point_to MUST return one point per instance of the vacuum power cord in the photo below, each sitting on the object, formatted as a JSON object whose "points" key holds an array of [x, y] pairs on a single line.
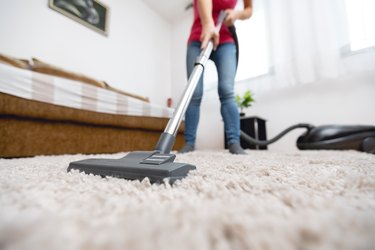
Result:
{"points": [[254, 141]]}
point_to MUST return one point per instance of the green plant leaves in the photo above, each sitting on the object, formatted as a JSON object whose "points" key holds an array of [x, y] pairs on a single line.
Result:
{"points": [[244, 101]]}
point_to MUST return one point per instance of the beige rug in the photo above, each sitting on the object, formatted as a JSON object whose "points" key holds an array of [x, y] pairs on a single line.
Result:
{"points": [[264, 200]]}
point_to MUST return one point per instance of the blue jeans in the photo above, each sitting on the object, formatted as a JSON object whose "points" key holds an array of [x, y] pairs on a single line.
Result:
{"points": [[224, 58]]}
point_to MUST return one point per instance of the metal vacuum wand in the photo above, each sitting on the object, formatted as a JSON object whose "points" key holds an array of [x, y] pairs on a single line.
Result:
{"points": [[168, 137]]}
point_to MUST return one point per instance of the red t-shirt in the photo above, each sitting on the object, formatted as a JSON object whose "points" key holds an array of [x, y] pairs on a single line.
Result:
{"points": [[217, 6]]}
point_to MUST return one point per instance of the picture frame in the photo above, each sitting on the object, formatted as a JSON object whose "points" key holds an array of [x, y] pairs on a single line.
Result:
{"points": [[91, 13]]}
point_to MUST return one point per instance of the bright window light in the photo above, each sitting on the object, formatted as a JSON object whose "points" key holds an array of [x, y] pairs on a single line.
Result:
{"points": [[361, 23], [253, 56]]}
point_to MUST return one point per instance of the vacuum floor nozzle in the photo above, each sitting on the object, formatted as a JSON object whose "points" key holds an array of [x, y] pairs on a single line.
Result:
{"points": [[136, 165]]}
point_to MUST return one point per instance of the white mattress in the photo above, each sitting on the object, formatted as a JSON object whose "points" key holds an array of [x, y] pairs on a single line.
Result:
{"points": [[73, 94]]}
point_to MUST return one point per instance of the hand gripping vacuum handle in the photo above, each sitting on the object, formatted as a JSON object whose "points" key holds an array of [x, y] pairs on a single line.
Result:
{"points": [[167, 138]]}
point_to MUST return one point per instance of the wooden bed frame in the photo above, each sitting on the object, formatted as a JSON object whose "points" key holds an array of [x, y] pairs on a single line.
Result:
{"points": [[29, 128]]}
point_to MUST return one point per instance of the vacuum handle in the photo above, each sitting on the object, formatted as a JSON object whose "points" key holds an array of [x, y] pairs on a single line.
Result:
{"points": [[166, 140], [206, 52]]}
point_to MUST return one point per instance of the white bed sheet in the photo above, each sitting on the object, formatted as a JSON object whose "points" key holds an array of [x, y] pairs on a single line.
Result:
{"points": [[73, 94]]}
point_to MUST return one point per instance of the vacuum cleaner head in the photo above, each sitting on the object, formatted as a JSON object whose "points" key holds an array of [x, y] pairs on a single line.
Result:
{"points": [[355, 137], [136, 165]]}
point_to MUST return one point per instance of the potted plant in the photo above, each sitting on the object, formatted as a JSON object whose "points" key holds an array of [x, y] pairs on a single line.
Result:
{"points": [[244, 101]]}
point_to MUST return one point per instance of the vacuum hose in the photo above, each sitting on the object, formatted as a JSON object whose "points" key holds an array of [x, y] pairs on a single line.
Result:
{"points": [[253, 141]]}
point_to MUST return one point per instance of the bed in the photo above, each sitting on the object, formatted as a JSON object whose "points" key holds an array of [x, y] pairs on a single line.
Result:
{"points": [[46, 110]]}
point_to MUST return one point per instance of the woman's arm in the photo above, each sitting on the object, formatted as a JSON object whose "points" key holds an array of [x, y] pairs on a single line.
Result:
{"points": [[233, 15], [208, 25]]}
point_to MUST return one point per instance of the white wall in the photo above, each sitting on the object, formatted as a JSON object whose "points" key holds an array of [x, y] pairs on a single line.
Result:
{"points": [[349, 99], [179, 37], [134, 57]]}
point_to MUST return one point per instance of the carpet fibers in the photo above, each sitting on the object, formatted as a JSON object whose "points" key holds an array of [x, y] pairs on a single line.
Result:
{"points": [[263, 200]]}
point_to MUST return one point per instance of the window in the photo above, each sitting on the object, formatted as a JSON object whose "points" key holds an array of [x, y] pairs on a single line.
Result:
{"points": [[253, 43], [361, 23]]}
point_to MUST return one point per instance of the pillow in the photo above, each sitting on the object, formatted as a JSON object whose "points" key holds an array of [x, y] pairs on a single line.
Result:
{"points": [[142, 98], [19, 63], [49, 69]]}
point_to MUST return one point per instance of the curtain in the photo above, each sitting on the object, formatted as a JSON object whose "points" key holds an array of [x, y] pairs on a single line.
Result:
{"points": [[308, 41]]}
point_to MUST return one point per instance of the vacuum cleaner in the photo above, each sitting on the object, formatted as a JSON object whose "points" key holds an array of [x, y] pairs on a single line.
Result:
{"points": [[327, 137], [157, 165]]}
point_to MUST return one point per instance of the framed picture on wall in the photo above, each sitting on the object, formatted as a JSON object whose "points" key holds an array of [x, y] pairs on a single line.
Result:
{"points": [[90, 13]]}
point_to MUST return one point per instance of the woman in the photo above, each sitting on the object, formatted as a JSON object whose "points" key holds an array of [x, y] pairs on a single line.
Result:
{"points": [[203, 30]]}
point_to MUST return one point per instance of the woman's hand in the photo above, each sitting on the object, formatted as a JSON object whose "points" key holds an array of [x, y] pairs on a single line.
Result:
{"points": [[209, 33], [232, 16]]}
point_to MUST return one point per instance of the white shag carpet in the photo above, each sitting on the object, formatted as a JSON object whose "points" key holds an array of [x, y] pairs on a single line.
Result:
{"points": [[264, 200]]}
